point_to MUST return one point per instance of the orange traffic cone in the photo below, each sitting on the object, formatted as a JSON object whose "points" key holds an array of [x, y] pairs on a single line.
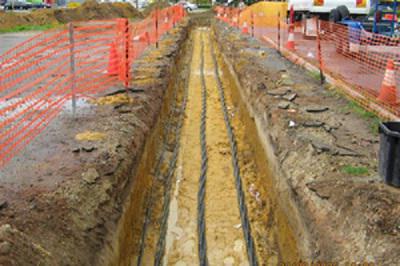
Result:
{"points": [[144, 37], [166, 23], [388, 91], [225, 19], [290, 42], [245, 28], [113, 61], [235, 22]]}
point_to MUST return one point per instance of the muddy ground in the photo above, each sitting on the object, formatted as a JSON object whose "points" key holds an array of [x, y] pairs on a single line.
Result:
{"points": [[61, 200], [89, 10], [323, 150]]}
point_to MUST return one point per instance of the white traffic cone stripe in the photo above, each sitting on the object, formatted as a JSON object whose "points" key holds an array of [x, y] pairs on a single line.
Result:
{"points": [[390, 78]]}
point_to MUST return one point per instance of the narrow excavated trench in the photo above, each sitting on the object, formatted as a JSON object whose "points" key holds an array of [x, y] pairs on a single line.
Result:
{"points": [[204, 192]]}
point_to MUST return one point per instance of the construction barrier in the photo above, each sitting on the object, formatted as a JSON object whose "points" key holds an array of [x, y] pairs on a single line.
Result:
{"points": [[363, 62], [39, 76]]}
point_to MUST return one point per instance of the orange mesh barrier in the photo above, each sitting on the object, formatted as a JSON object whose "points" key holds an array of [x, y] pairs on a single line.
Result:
{"points": [[366, 63], [39, 76]]}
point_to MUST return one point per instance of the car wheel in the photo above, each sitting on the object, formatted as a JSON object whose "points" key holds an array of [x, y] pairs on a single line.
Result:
{"points": [[188, 9], [334, 15], [343, 11]]}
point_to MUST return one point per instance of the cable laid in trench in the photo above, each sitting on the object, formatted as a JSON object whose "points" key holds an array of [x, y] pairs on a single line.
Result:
{"points": [[251, 252], [201, 226], [157, 170], [160, 249]]}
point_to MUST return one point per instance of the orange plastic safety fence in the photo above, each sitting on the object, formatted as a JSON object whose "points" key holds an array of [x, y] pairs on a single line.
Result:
{"points": [[366, 62], [39, 76]]}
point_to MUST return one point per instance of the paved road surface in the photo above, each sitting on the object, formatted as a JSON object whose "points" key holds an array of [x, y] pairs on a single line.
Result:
{"points": [[9, 40]]}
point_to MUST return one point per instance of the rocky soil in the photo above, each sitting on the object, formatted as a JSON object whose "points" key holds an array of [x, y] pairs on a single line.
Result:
{"points": [[323, 150]]}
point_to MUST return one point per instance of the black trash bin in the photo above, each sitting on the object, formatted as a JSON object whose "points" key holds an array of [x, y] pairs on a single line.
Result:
{"points": [[389, 153]]}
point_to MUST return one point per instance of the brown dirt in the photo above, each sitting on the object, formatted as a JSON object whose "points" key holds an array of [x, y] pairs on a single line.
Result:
{"points": [[155, 5], [274, 240], [337, 216], [62, 200], [90, 10]]}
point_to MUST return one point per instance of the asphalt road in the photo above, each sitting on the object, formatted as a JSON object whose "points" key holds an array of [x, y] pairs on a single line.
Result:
{"points": [[9, 40]]}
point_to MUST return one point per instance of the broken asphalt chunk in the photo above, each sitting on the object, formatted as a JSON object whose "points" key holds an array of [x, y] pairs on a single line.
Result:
{"points": [[290, 97], [317, 109], [278, 92], [313, 124], [283, 105]]}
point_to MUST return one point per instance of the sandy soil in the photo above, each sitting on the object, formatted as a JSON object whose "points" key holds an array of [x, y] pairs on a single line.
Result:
{"points": [[182, 229], [313, 136], [224, 235]]}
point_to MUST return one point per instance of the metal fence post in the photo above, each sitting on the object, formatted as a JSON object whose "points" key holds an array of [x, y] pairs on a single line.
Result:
{"points": [[173, 17], [279, 33], [238, 21], [72, 65], [156, 24], [321, 73], [127, 53], [252, 24]]}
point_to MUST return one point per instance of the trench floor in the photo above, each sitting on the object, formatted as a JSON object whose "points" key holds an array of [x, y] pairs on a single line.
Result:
{"points": [[224, 234]]}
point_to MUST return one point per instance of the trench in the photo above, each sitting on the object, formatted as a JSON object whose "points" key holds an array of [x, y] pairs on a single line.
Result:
{"points": [[160, 224]]}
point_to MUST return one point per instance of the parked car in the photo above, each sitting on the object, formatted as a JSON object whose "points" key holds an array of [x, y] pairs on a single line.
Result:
{"points": [[189, 6], [17, 4]]}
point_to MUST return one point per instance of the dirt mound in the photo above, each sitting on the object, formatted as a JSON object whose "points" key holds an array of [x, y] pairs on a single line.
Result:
{"points": [[87, 11], [155, 5]]}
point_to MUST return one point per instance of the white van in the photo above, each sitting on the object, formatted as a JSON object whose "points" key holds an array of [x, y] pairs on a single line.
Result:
{"points": [[325, 7]]}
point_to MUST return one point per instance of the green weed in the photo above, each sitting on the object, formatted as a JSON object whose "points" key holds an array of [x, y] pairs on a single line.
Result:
{"points": [[354, 170], [29, 28], [314, 74]]}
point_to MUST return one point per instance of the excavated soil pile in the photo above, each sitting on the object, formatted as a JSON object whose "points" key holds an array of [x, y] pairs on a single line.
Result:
{"points": [[155, 5], [324, 155], [87, 11]]}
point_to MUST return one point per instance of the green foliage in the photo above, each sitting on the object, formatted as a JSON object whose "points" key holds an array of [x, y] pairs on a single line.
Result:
{"points": [[355, 170], [315, 75], [29, 28]]}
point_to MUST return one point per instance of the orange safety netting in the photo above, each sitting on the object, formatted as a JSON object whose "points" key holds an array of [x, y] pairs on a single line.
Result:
{"points": [[359, 59], [40, 75]]}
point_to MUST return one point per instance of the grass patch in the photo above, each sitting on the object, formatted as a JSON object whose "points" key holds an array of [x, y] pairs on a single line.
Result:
{"points": [[314, 74], [355, 170], [372, 118], [29, 28]]}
